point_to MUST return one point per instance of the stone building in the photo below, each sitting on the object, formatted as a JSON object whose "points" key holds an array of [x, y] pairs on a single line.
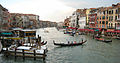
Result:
{"points": [[78, 19], [4, 18], [24, 20]]}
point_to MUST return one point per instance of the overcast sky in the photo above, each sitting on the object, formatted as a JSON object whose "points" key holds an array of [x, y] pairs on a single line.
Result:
{"points": [[52, 10]]}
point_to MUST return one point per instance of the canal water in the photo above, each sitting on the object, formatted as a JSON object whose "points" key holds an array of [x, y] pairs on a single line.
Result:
{"points": [[91, 52]]}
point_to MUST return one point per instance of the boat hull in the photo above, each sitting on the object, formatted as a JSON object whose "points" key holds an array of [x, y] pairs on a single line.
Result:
{"points": [[71, 44]]}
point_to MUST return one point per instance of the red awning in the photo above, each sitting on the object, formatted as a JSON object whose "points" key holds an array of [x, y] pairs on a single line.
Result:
{"points": [[87, 29], [118, 31], [71, 28], [110, 31]]}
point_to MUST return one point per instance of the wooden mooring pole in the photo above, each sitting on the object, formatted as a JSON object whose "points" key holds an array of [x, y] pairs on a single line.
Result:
{"points": [[44, 55], [39, 41], [6, 53], [15, 55], [34, 55], [23, 54]]}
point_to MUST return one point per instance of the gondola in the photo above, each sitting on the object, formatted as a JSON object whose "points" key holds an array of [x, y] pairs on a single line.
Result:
{"points": [[107, 41], [118, 38], [69, 44], [103, 40]]}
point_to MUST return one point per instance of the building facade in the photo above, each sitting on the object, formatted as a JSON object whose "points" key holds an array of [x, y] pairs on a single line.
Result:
{"points": [[93, 18], [24, 20], [78, 19], [67, 22], [4, 17]]}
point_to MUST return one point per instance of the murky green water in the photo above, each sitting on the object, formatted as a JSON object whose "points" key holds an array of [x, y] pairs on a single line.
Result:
{"points": [[91, 52]]}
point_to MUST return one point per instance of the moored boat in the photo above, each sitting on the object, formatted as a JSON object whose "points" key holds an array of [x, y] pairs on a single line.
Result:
{"points": [[103, 40]]}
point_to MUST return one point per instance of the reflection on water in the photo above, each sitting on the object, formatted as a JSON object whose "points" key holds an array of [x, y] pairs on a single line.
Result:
{"points": [[91, 52]]}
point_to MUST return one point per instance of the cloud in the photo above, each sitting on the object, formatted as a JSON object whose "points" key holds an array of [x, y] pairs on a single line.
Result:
{"points": [[88, 3], [53, 10]]}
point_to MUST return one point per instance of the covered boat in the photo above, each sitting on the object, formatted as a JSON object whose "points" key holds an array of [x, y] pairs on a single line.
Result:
{"points": [[69, 44]]}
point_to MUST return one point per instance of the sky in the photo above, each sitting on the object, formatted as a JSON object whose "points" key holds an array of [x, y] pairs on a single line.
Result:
{"points": [[53, 10]]}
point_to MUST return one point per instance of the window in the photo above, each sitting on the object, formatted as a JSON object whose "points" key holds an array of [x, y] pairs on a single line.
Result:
{"points": [[116, 11], [111, 25], [97, 26], [112, 11], [100, 22], [106, 22], [111, 18], [103, 17], [115, 17], [97, 17], [100, 18], [103, 22], [109, 12], [103, 26], [106, 17], [97, 22], [103, 12]]}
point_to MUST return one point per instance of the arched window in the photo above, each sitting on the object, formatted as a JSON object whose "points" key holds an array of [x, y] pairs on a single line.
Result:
{"points": [[111, 25]]}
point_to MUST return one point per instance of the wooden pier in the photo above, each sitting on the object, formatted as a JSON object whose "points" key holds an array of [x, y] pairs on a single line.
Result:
{"points": [[29, 51], [23, 54]]}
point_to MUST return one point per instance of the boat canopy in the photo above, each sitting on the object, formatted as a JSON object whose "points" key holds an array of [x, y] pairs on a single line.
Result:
{"points": [[4, 33]]}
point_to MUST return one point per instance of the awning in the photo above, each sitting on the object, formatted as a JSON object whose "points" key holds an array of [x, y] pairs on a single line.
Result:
{"points": [[7, 33], [71, 28], [96, 30], [81, 29], [118, 31], [86, 30]]}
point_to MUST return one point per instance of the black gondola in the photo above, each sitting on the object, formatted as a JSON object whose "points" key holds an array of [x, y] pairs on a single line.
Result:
{"points": [[69, 44], [118, 38]]}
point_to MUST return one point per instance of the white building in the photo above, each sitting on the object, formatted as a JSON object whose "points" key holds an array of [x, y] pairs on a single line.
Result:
{"points": [[73, 20], [82, 22], [78, 19]]}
